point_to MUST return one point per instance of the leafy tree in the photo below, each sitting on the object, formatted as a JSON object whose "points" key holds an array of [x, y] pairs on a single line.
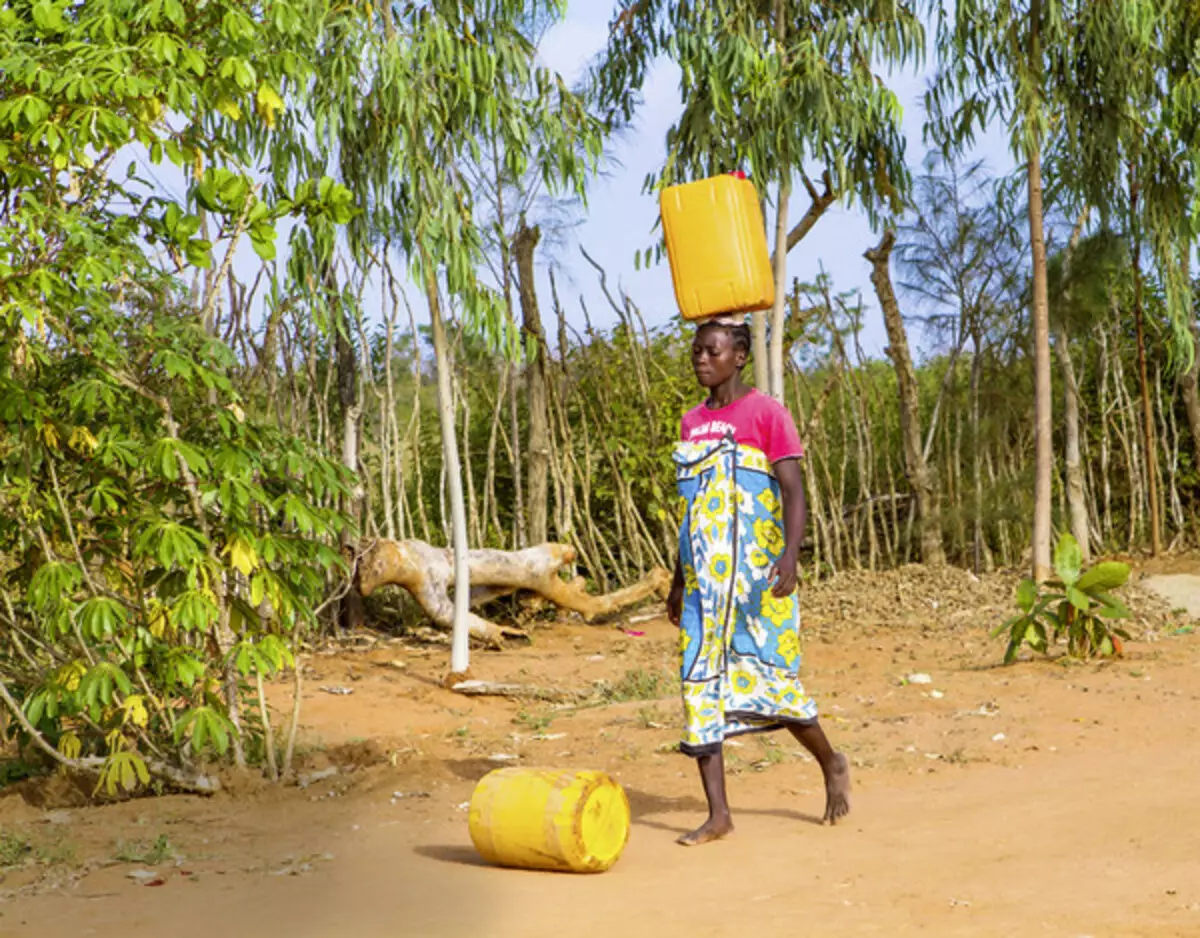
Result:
{"points": [[440, 77], [165, 547]]}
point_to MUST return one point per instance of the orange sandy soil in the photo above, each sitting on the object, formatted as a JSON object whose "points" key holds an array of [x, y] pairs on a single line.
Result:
{"points": [[1048, 798]]}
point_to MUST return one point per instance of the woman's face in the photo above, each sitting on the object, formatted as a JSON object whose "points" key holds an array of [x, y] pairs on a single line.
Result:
{"points": [[715, 359]]}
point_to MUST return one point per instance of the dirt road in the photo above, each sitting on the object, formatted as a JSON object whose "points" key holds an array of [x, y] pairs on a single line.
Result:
{"points": [[1046, 799]]}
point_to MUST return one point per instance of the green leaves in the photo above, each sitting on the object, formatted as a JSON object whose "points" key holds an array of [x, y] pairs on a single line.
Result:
{"points": [[266, 657], [1078, 613], [774, 97], [101, 618], [205, 728], [98, 685], [48, 18], [1068, 559], [53, 584], [1106, 576], [123, 770], [131, 454], [1027, 594], [172, 544]]}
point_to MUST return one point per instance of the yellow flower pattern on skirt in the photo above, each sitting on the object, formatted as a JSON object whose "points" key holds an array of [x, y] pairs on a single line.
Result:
{"points": [[740, 646]]}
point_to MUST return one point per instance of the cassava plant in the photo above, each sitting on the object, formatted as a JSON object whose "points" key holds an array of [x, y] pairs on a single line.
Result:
{"points": [[1075, 604], [162, 548]]}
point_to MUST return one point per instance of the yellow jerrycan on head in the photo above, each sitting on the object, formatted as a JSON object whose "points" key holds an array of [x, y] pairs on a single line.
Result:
{"points": [[717, 247], [537, 819]]}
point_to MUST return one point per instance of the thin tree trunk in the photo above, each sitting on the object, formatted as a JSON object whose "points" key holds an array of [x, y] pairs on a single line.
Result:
{"points": [[386, 423], [976, 457], [475, 520], [1170, 435], [460, 649], [1148, 433], [1043, 404], [352, 613], [490, 507], [775, 369], [1189, 381], [1190, 388], [1106, 521], [1076, 497], [1075, 493], [920, 478], [537, 499]]}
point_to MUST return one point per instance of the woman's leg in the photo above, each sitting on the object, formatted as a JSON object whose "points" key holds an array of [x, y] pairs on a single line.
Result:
{"points": [[834, 766], [720, 822]]}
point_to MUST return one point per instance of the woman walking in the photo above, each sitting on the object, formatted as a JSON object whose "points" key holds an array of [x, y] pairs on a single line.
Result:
{"points": [[734, 593]]}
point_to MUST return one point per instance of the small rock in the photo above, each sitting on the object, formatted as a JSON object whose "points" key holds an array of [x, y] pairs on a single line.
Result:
{"points": [[338, 691], [596, 658], [999, 738], [936, 694], [306, 780], [920, 679], [503, 757], [144, 877], [293, 870], [398, 664], [398, 795], [465, 806]]}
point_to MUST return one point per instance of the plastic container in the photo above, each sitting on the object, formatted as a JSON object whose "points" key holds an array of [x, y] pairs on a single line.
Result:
{"points": [[717, 247], [535, 819]]}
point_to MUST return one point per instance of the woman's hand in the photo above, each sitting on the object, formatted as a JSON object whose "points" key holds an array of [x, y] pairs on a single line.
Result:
{"points": [[784, 575], [675, 603]]}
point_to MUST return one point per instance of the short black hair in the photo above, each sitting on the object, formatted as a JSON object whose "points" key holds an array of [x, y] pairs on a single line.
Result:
{"points": [[741, 337], [739, 334]]}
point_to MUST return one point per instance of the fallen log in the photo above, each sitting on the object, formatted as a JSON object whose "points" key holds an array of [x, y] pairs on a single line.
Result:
{"points": [[512, 691], [427, 573]]}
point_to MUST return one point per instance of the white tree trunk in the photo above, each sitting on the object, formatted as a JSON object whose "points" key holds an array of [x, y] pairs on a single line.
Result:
{"points": [[460, 647]]}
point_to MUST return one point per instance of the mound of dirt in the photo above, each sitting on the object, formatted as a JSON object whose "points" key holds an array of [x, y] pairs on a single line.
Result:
{"points": [[912, 596], [939, 598]]}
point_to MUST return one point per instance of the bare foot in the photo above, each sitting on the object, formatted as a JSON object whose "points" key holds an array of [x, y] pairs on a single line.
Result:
{"points": [[837, 789], [710, 830]]}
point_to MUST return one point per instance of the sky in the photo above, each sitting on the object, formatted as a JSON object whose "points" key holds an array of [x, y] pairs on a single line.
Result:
{"points": [[619, 217]]}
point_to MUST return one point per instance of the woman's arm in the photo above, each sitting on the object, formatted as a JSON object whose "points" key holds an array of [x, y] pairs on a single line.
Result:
{"points": [[795, 519]]}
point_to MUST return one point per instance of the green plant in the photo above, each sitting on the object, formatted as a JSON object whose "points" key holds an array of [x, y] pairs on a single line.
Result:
{"points": [[636, 684], [138, 851], [56, 852], [649, 718], [166, 545], [1076, 604], [534, 721], [13, 850]]}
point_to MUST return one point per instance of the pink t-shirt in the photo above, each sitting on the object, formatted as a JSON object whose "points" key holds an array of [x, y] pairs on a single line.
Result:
{"points": [[756, 420]]}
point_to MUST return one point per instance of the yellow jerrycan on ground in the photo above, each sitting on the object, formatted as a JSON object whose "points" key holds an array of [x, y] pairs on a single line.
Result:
{"points": [[717, 247], [539, 819]]}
